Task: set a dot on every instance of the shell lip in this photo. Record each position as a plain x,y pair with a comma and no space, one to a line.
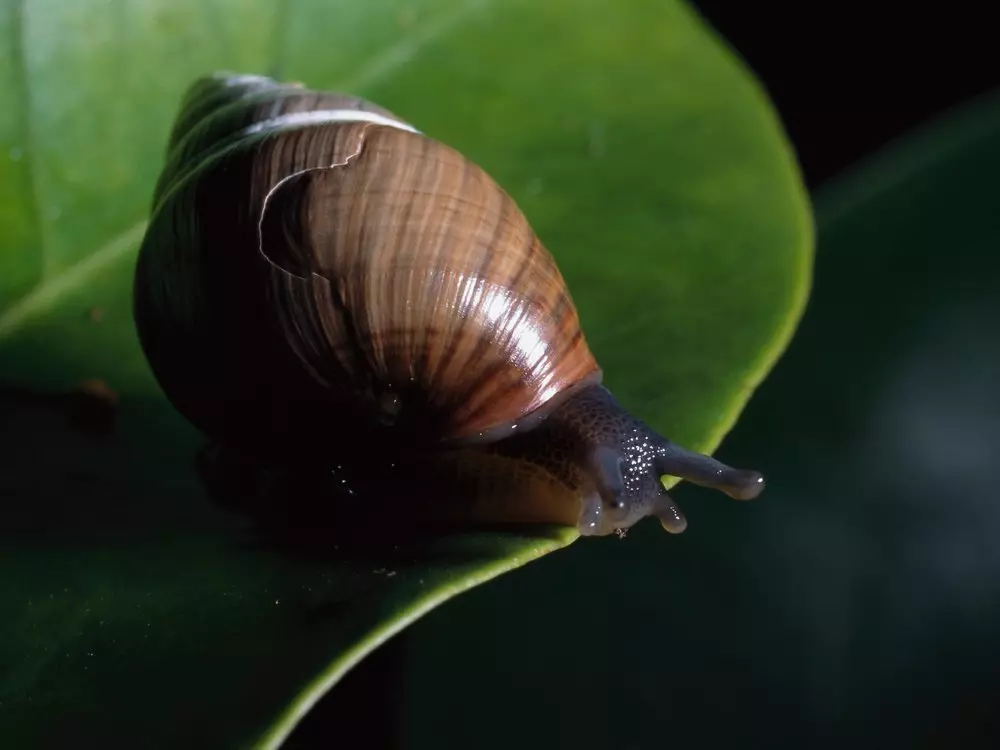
524,422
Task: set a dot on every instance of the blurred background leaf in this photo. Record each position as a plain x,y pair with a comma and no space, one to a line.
645,155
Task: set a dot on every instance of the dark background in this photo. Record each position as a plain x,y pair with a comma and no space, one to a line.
846,79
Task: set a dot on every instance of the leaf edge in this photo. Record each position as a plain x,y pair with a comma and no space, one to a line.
296,709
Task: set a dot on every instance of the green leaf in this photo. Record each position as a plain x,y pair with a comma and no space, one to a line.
643,153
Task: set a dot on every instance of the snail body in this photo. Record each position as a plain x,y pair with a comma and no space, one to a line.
323,285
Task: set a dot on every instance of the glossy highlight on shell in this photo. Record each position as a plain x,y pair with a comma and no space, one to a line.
322,284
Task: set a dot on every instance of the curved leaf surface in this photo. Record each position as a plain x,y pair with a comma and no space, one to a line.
644,154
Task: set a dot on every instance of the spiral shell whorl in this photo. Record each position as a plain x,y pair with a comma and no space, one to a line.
221,110
343,273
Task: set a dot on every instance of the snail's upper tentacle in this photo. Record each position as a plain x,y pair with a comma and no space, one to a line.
706,471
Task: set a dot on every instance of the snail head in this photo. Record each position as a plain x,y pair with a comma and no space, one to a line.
626,461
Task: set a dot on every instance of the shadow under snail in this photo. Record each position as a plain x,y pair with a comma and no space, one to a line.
322,287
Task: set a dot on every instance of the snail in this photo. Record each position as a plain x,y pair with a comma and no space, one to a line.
322,285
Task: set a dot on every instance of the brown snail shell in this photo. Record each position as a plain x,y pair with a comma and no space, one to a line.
321,284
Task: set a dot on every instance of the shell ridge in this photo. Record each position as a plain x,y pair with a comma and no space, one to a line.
286,218
285,189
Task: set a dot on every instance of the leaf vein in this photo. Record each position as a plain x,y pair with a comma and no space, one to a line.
48,292
279,43
408,47
380,66
31,187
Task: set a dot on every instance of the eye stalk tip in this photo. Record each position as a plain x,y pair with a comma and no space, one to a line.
744,485
671,517
674,526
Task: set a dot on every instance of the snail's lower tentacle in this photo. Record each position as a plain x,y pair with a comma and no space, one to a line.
670,515
706,471
607,468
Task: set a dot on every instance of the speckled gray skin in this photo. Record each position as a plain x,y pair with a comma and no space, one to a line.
622,461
